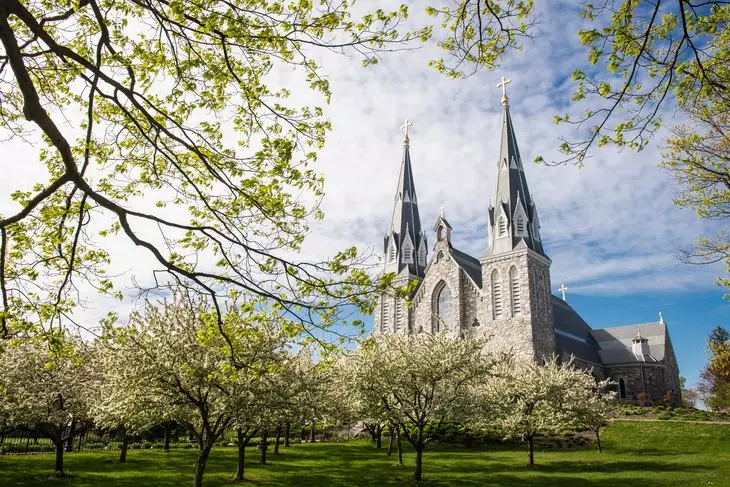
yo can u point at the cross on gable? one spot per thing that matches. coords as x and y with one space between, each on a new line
563 289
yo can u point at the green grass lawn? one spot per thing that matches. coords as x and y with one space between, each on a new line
637 453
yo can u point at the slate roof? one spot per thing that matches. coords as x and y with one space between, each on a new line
469 264
406 220
572 333
615 342
510 193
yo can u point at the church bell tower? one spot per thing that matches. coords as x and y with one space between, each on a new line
515 270
405 249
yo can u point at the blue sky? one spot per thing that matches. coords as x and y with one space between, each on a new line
610 228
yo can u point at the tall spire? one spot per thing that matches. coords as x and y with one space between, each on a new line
513 222
405 245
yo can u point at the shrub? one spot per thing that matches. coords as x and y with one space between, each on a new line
665 415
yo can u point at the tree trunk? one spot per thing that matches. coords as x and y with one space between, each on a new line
264 446
598 440
59 457
390 442
287 427
400 447
418 474
278 439
379 437
70 440
531 451
166 446
242 443
125 446
312 432
201 462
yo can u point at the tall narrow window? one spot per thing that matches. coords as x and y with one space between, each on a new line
385 315
422 254
520 227
443 308
398 316
621 389
502 226
514 283
407 254
391 253
496 295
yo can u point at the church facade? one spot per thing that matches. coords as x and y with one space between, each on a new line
505 294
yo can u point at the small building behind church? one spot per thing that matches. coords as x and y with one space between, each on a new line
505 294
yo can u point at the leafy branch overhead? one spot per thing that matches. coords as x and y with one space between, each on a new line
136 101
645 53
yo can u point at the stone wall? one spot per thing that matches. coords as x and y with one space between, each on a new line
641 378
444 269
529 334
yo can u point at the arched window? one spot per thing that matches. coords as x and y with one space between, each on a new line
514 283
385 315
622 388
496 295
443 308
440 232
391 253
502 226
439 256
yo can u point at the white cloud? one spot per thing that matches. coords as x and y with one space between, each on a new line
610 228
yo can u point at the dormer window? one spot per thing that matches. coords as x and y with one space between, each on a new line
407 254
520 226
502 226
422 255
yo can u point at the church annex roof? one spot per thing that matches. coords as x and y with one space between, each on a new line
572 333
469 264
616 342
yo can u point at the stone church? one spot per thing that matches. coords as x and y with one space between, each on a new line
506 293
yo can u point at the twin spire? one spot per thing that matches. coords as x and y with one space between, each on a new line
513 222
405 244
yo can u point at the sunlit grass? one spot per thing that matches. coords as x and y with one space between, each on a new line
636 453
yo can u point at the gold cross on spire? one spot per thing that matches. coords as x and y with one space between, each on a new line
405 126
503 85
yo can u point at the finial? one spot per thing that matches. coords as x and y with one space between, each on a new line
405 126
503 85
442 210
562 290
661 318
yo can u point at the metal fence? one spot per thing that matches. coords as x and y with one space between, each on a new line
22 442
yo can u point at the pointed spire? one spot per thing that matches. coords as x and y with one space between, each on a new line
513 222
405 228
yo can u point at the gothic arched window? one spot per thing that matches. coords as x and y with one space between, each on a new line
443 308
496 295
622 388
516 298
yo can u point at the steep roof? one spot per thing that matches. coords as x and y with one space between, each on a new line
512 198
572 333
616 342
406 223
469 264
